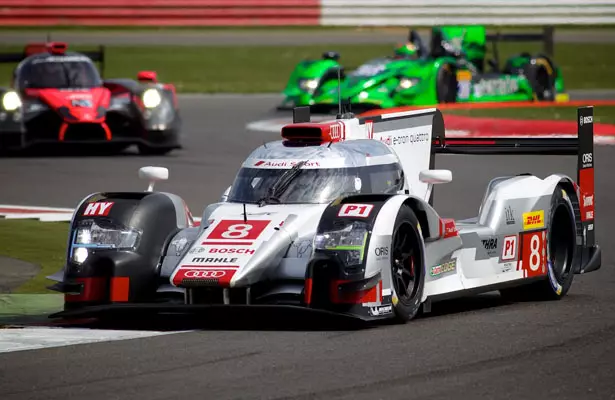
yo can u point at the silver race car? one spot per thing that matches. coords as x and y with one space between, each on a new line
338 217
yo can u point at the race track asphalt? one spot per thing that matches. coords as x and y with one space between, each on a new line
478 348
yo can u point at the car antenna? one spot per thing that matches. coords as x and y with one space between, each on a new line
339 92
245 215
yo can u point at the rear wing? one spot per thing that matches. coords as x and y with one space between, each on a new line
546 37
43 47
582 146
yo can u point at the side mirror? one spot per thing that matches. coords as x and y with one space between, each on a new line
435 176
225 194
147 76
153 174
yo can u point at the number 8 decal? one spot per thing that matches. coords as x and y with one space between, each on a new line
237 231
533 260
535 252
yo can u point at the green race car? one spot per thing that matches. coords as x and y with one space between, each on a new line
452 70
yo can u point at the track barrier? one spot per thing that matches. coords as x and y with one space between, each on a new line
158 13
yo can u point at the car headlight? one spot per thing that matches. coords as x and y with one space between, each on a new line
102 235
407 83
151 98
11 101
349 242
308 84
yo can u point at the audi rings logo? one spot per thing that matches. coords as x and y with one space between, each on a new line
204 274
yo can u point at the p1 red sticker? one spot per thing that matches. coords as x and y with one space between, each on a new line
533 251
509 249
355 210
98 209
236 232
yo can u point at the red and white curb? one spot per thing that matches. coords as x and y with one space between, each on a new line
47 214
44 214
32 338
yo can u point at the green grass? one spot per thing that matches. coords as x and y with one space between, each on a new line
602 114
254 69
39 243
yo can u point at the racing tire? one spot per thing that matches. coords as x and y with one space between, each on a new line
541 80
446 84
407 266
561 248
154 151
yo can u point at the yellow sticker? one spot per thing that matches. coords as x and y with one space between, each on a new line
464 76
534 220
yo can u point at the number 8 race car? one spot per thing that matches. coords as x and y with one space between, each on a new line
338 217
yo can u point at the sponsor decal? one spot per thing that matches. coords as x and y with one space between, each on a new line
98 209
509 250
386 140
336 131
507 267
450 229
61 59
380 310
284 163
179 245
86 103
381 253
510 216
494 87
534 220
355 210
491 245
204 274
300 249
213 260
218 276
533 258
231 251
412 138
590 227
588 160
236 232
586 120
440 269
554 283
197 250
588 201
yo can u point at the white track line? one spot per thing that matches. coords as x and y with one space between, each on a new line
20 339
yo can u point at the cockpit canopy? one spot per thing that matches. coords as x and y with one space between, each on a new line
70 71
277 174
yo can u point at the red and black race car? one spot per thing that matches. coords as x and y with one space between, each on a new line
57 96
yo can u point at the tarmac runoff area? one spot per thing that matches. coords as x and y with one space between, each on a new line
481 346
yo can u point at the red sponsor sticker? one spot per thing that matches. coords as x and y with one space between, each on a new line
98 209
355 210
533 260
450 229
509 250
237 232
191 275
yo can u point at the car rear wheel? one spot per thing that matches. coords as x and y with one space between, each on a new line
407 270
446 84
540 76
561 246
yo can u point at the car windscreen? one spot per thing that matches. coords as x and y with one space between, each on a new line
59 73
312 186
